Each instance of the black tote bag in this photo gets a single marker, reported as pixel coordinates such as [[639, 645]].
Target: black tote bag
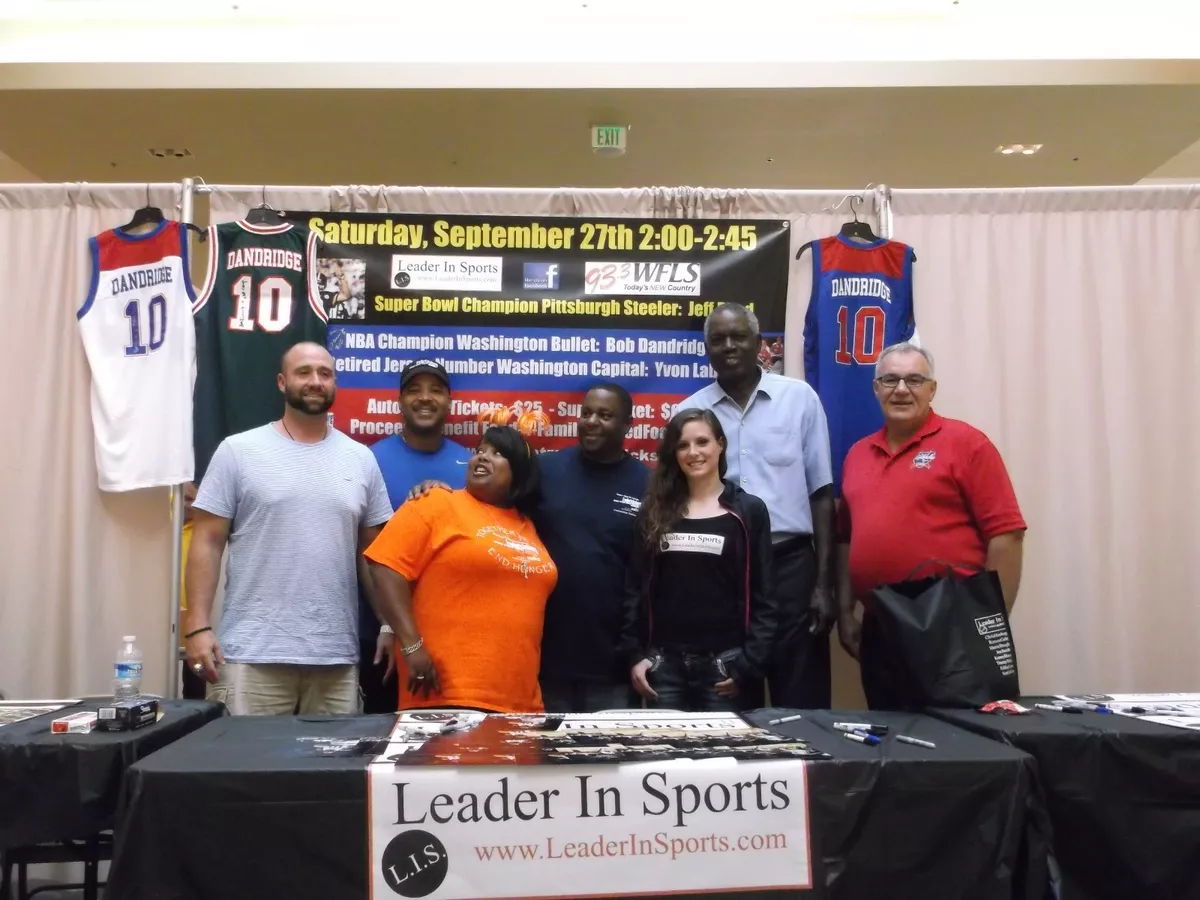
[[945, 640]]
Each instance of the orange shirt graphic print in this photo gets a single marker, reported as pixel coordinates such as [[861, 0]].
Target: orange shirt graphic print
[[513, 551]]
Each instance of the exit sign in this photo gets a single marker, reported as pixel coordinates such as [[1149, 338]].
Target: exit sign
[[608, 137]]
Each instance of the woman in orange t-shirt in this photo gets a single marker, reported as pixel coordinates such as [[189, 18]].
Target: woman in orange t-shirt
[[470, 579]]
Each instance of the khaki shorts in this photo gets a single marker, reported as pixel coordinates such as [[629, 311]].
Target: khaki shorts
[[270, 689]]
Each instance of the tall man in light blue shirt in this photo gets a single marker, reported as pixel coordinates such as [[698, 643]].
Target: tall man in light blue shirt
[[778, 450]]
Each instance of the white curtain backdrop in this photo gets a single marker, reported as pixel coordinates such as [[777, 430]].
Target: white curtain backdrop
[[1064, 324], [78, 568]]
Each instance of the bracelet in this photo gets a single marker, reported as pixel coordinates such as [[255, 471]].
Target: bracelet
[[192, 634], [386, 629], [413, 648]]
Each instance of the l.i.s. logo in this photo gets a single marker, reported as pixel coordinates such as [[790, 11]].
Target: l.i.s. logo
[[415, 863]]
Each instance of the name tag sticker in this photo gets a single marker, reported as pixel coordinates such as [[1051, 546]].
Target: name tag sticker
[[693, 543]]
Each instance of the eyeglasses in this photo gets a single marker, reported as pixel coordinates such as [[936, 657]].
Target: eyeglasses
[[891, 382]]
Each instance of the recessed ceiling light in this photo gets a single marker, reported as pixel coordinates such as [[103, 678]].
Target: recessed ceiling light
[[170, 152], [1023, 149]]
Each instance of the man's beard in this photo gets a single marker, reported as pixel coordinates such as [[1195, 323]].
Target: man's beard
[[309, 405]]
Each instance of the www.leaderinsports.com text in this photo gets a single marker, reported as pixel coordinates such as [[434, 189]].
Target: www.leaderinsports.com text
[[660, 844]]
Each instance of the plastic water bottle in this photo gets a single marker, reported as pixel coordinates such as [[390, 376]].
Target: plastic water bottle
[[127, 670]]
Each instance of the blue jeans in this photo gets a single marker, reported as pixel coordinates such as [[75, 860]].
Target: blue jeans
[[686, 681]]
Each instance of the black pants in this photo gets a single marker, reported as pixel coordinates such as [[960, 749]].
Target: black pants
[[882, 682], [378, 696], [571, 695], [798, 674], [194, 686], [686, 681]]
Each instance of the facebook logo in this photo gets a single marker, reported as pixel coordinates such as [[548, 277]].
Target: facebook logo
[[541, 276]]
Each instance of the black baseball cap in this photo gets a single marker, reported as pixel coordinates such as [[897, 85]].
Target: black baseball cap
[[424, 367]]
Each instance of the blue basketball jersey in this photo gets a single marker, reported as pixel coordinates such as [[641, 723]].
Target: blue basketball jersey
[[861, 302]]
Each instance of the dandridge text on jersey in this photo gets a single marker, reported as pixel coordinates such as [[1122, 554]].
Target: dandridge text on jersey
[[650, 237]]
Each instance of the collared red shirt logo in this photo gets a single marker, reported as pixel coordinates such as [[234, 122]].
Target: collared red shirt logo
[[924, 459]]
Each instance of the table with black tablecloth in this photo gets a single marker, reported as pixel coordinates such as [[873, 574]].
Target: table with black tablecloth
[[1123, 797], [57, 787], [260, 807]]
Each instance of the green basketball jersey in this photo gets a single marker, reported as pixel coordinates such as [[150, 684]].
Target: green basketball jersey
[[259, 299]]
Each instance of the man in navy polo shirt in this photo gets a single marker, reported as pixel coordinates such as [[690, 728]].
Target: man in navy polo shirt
[[417, 454], [591, 494], [922, 488]]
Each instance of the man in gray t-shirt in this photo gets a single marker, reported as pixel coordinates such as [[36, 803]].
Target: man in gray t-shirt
[[295, 501]]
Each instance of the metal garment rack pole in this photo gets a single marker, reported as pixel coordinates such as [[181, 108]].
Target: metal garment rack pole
[[883, 203], [41, 186], [256, 189], [186, 214]]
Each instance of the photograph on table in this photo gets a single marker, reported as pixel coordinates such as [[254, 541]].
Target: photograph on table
[[475, 739], [12, 712], [1176, 710]]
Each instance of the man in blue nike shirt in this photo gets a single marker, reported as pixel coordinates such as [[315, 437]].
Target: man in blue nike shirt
[[420, 453]]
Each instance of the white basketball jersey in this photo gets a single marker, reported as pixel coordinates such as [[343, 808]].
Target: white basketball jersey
[[141, 346]]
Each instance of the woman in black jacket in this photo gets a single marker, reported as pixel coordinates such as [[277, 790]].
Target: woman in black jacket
[[699, 621]]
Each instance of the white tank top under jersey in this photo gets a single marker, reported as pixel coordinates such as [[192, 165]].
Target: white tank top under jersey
[[291, 581], [137, 332]]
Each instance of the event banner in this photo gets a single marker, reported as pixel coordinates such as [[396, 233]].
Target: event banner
[[527, 312], [464, 805]]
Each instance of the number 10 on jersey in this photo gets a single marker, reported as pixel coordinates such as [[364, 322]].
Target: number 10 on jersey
[[269, 307], [861, 340], [154, 330]]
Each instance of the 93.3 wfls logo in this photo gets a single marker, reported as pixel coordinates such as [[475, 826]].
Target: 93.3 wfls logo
[[415, 863]]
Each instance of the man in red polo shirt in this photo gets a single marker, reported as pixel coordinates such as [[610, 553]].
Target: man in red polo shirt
[[922, 488]]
